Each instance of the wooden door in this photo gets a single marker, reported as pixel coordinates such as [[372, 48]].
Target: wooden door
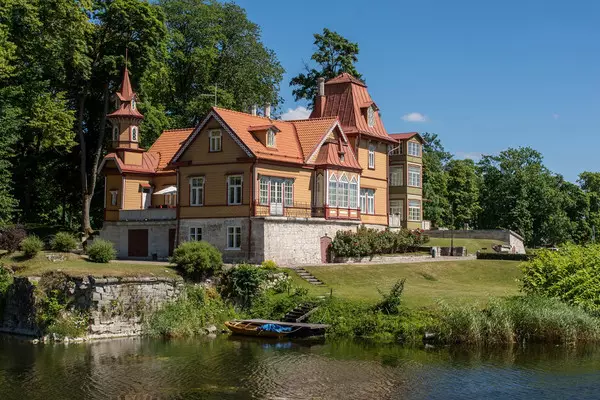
[[276, 197], [325, 243], [171, 241], [137, 243]]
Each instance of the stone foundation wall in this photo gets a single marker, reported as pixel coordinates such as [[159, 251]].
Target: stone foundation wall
[[214, 231], [116, 306], [501, 235], [158, 236]]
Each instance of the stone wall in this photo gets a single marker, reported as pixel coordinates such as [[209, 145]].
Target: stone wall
[[116, 306], [505, 236], [214, 231], [158, 236]]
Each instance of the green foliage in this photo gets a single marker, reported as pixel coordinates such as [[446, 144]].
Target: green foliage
[[70, 324], [6, 280], [190, 314], [101, 251], [64, 242], [435, 180], [11, 238], [269, 265], [197, 260], [390, 304], [463, 192], [276, 306], [335, 54], [571, 274], [503, 256], [53, 299], [242, 284], [368, 242], [31, 246]]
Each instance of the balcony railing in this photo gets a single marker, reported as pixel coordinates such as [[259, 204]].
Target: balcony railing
[[149, 214], [395, 220], [305, 210]]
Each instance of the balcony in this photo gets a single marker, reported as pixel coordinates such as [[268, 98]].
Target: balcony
[[305, 210], [149, 214]]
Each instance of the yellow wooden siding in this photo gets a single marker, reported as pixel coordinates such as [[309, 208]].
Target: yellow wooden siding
[[111, 215], [381, 159], [215, 190], [302, 180], [133, 196], [160, 182], [133, 158], [198, 152], [414, 160], [113, 182], [381, 201]]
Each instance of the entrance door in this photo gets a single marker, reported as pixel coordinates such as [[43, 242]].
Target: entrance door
[[276, 197], [396, 213], [137, 243], [325, 243], [146, 198], [171, 241]]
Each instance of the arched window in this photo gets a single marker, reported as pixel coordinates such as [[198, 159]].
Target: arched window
[[353, 193], [371, 116], [343, 192], [115, 133], [332, 191], [133, 105], [271, 138], [134, 134]]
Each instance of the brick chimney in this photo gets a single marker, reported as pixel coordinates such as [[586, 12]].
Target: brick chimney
[[319, 106], [254, 109], [268, 110]]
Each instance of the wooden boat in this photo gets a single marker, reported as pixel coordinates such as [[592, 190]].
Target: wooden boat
[[252, 327]]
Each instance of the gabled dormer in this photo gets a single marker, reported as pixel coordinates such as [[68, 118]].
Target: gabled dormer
[[266, 134]]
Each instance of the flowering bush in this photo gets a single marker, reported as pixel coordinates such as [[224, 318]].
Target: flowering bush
[[367, 242]]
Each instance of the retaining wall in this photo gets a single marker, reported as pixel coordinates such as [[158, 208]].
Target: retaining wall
[[501, 235]]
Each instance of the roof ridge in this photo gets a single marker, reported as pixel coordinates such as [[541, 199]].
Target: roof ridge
[[177, 129], [249, 115], [310, 119]]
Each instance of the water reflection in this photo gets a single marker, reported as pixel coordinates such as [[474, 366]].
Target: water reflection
[[228, 368]]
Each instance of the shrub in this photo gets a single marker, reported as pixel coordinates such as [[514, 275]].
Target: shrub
[[197, 260], [368, 242], [11, 238], [190, 314], [269, 265], [504, 256], [571, 274], [390, 304], [243, 283], [101, 251], [64, 242], [6, 280], [31, 245]]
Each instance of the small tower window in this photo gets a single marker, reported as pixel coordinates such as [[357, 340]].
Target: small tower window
[[133, 103], [270, 138], [371, 116], [134, 134], [115, 133]]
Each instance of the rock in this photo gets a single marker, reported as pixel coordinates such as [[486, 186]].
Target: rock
[[35, 341], [211, 329], [212, 336], [429, 336]]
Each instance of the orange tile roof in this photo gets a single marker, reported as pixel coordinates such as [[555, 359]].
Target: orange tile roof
[[405, 136], [311, 131], [149, 163], [344, 98], [329, 154], [168, 143]]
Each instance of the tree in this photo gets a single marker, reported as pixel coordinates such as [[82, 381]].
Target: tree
[[335, 54], [435, 180], [463, 192]]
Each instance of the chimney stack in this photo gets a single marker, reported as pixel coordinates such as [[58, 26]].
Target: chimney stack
[[321, 87], [253, 109], [268, 110]]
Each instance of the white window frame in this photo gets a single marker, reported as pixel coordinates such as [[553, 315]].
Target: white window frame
[[397, 175], [372, 156], [414, 179], [133, 105], [114, 197], [412, 214], [215, 140], [234, 238], [353, 193], [363, 201], [237, 189], [370, 116], [271, 138], [367, 201], [115, 133], [342, 192], [332, 191], [134, 133], [195, 234], [263, 191], [414, 149], [288, 193], [197, 186]]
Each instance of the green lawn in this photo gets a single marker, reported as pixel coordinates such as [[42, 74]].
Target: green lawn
[[472, 245], [78, 266], [426, 282]]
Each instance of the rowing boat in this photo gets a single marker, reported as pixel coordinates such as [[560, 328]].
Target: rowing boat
[[274, 329], [250, 328]]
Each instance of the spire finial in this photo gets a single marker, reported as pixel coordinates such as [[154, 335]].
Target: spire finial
[[126, 56]]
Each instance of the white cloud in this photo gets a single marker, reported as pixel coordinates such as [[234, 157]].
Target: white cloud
[[473, 155], [296, 113], [414, 117], [555, 116]]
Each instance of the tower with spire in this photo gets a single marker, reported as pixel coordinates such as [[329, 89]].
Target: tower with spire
[[125, 121]]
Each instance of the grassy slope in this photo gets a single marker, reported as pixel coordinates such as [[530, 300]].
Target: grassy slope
[[426, 282], [78, 266], [472, 245]]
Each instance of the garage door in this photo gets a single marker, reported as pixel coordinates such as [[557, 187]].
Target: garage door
[[138, 243]]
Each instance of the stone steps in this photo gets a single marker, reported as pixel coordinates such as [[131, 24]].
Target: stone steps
[[307, 276], [300, 313]]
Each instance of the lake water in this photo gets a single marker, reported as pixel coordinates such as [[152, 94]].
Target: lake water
[[236, 368]]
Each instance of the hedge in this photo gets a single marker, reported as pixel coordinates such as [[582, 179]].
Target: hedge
[[504, 256]]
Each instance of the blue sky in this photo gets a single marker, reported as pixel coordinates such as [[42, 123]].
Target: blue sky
[[483, 75]]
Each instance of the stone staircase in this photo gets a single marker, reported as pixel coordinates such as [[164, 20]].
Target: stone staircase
[[307, 276], [300, 313]]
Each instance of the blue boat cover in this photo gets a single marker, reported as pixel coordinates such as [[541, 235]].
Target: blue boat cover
[[275, 328]]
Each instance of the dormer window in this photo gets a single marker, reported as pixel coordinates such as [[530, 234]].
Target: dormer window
[[371, 116], [342, 157], [271, 138], [133, 103], [215, 140], [115, 133], [134, 134]]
